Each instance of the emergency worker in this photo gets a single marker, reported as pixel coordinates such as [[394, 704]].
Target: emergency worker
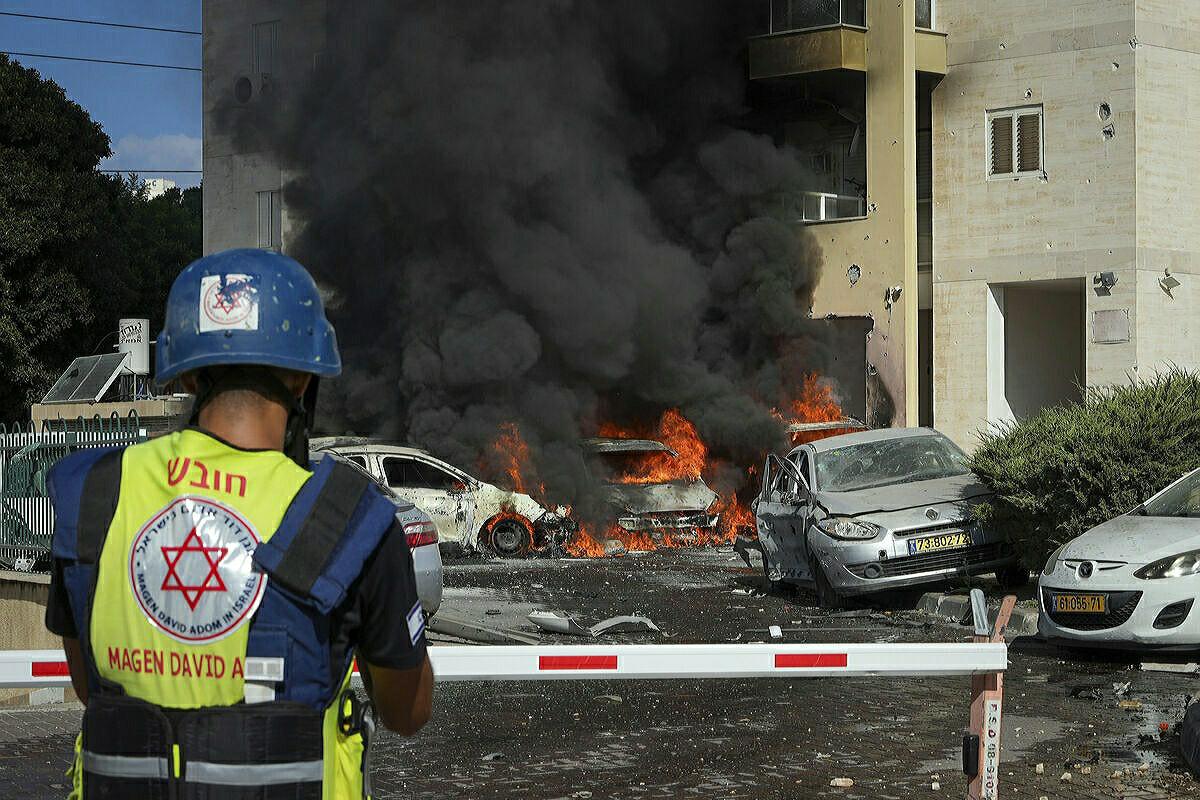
[[211, 590]]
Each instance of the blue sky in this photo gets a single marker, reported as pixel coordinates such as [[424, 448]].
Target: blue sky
[[153, 116]]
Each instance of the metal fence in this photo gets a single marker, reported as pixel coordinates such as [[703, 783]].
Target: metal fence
[[27, 453]]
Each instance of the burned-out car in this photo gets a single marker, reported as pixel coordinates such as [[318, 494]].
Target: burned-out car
[[647, 492], [467, 511], [876, 510]]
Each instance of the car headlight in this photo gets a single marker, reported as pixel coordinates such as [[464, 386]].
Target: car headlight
[[1172, 567], [1052, 560], [846, 528]]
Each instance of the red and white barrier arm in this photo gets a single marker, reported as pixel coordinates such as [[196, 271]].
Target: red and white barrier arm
[[48, 668]]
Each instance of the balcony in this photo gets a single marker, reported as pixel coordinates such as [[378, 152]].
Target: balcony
[[823, 207], [789, 16]]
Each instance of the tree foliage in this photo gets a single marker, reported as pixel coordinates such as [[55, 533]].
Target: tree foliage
[[1068, 468], [78, 249]]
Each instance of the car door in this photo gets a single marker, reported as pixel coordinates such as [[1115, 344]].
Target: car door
[[796, 515], [438, 493], [766, 514], [791, 503]]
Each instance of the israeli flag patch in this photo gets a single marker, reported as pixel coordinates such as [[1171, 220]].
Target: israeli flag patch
[[416, 623]]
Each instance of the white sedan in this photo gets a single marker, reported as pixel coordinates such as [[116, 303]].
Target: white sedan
[[1131, 581], [467, 511]]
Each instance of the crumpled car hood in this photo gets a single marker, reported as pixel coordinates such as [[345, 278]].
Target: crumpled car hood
[[657, 498], [1135, 539], [901, 496]]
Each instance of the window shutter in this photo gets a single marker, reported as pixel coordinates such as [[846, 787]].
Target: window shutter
[[1002, 145], [1029, 148]]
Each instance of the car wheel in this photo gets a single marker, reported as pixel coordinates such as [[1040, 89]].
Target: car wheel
[[1013, 576], [827, 596], [510, 538]]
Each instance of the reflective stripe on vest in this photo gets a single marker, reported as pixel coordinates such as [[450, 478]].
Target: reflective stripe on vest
[[125, 766], [253, 774]]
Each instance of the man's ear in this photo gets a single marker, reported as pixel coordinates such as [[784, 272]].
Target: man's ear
[[297, 382]]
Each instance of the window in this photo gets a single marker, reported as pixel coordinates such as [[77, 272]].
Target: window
[[360, 460], [269, 218], [264, 45], [800, 459], [413, 474], [1014, 146]]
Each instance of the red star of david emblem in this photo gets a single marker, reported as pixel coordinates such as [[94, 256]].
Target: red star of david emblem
[[227, 300], [211, 559]]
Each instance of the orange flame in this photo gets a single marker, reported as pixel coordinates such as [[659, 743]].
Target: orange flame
[[815, 404], [675, 431]]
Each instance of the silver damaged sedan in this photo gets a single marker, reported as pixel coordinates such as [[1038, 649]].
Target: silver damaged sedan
[[877, 510]]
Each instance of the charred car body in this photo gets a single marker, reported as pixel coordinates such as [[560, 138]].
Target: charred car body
[[466, 510], [675, 506], [877, 510]]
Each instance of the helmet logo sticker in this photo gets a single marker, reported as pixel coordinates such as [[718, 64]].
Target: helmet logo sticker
[[228, 303], [190, 570]]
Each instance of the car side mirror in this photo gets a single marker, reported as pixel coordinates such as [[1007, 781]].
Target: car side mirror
[[459, 487]]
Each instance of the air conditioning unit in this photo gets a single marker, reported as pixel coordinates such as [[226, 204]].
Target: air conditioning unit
[[247, 88]]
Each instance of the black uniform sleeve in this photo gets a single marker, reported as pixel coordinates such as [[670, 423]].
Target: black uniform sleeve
[[390, 629], [59, 619]]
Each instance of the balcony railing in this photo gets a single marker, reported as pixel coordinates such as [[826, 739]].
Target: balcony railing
[[823, 206], [799, 15]]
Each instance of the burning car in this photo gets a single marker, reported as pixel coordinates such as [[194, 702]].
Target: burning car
[[876, 510], [649, 490], [466, 510]]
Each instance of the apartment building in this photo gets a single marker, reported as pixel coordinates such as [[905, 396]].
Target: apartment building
[[1065, 249], [1028, 170]]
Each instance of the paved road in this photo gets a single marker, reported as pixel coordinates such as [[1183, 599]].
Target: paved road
[[745, 739]]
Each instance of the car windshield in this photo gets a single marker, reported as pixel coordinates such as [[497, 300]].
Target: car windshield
[[887, 462], [1181, 500]]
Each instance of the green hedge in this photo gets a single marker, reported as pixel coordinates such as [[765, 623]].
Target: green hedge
[[1071, 467]]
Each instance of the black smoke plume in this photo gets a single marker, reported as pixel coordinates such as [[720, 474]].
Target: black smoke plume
[[551, 212]]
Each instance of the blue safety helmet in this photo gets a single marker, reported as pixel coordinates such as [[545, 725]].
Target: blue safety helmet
[[246, 306]]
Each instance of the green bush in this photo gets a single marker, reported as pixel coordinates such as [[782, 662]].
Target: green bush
[[1071, 467]]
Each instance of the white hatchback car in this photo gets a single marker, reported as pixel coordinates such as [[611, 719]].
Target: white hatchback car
[[466, 510], [1131, 581]]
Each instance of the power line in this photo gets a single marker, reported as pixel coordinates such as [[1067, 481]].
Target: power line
[[142, 171], [95, 22], [102, 61]]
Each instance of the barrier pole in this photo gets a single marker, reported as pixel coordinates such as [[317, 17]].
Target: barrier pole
[[987, 701]]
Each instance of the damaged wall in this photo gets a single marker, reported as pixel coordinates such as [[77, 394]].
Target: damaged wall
[[883, 245], [1075, 221]]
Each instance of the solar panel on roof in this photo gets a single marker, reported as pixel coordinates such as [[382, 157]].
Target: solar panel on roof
[[87, 379]]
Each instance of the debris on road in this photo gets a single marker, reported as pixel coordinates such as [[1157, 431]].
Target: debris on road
[[842, 783], [556, 622], [1130, 705], [452, 625], [1151, 666], [1040, 769], [776, 632]]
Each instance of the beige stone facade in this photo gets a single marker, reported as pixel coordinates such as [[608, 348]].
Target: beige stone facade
[[1016, 261]]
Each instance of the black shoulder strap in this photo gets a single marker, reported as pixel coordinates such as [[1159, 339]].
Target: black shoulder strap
[[98, 504], [309, 550]]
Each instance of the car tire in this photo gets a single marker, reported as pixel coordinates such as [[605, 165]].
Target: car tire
[[1013, 576], [827, 596], [510, 538]]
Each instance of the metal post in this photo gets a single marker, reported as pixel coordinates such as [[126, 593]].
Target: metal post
[[987, 699]]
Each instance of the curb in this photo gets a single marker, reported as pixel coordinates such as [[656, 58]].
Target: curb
[[1024, 621]]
